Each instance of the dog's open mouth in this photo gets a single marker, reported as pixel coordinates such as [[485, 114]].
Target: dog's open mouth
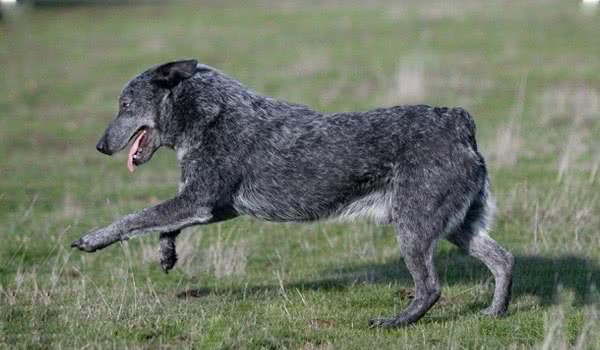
[[141, 149]]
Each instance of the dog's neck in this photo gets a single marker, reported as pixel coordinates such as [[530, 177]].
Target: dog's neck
[[214, 100], [168, 125]]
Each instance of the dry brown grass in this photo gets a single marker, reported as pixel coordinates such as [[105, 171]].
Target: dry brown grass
[[409, 84], [309, 62], [555, 334], [223, 258], [560, 220], [509, 143]]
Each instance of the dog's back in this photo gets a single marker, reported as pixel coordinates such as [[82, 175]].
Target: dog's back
[[347, 164]]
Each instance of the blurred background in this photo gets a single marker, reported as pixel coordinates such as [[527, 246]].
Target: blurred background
[[528, 71]]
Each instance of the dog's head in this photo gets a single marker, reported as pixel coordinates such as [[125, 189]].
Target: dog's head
[[140, 118]]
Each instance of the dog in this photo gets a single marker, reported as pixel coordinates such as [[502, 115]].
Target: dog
[[414, 167]]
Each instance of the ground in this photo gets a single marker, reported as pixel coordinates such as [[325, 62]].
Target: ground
[[529, 72]]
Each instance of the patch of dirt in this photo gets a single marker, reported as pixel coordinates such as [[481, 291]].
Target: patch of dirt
[[313, 346], [193, 293], [320, 323]]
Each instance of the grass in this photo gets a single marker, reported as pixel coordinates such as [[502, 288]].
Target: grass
[[528, 71]]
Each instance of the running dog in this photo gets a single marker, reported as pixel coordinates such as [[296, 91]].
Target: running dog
[[414, 167]]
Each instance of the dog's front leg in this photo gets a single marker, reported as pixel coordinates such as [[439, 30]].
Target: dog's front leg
[[167, 252], [172, 215]]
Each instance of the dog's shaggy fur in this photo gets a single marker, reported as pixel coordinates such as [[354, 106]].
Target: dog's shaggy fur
[[415, 167]]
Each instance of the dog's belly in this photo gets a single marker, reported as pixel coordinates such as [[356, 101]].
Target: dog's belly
[[313, 182], [281, 206], [375, 206]]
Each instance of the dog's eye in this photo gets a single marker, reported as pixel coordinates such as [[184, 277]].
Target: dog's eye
[[125, 104]]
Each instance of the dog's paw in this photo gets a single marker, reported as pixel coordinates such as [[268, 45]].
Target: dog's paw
[[83, 245], [384, 323], [395, 322], [167, 262], [94, 240], [167, 252], [493, 312]]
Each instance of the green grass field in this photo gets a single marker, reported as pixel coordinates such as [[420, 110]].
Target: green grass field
[[529, 71]]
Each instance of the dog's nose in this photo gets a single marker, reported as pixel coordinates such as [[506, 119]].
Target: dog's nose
[[103, 147]]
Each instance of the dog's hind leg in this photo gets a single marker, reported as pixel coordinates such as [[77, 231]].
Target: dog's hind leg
[[472, 237], [167, 251], [419, 213], [418, 256], [498, 261]]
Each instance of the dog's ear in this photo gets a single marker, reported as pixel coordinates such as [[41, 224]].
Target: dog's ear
[[170, 74]]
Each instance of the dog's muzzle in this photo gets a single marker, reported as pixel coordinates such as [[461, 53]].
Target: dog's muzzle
[[102, 146]]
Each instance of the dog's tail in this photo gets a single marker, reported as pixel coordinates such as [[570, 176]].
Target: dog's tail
[[478, 212], [480, 215]]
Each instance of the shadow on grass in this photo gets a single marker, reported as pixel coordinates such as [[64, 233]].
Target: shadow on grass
[[533, 275]]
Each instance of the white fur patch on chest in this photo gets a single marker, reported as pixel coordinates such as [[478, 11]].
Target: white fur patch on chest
[[181, 186], [180, 152]]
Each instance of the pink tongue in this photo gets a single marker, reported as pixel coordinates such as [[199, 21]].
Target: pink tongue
[[133, 150]]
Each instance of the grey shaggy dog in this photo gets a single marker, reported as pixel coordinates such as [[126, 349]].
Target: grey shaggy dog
[[415, 167]]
